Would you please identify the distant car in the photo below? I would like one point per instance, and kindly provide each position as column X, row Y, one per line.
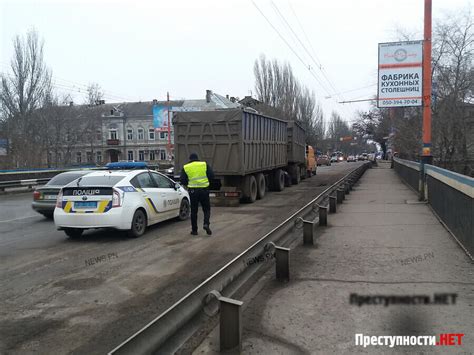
column 334, row 159
column 127, row 196
column 170, row 172
column 351, row 158
column 363, row 156
column 44, row 197
column 324, row 160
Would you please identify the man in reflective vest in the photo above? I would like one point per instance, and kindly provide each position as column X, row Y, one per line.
column 196, row 176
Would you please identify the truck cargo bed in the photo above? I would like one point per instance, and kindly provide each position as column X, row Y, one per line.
column 234, row 142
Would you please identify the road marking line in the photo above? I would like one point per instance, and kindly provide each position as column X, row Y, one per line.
column 16, row 219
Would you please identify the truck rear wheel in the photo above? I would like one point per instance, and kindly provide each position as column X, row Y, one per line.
column 303, row 172
column 261, row 186
column 278, row 180
column 294, row 171
column 249, row 189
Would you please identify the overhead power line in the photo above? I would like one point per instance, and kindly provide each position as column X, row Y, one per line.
column 317, row 63
column 290, row 47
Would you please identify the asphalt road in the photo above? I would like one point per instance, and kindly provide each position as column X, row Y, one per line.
column 64, row 296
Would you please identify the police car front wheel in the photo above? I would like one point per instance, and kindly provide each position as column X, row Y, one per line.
column 138, row 224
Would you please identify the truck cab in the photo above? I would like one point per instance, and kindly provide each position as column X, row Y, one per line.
column 311, row 163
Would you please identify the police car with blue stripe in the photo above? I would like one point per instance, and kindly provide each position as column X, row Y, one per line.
column 124, row 196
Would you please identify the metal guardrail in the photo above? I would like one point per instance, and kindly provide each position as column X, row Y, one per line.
column 20, row 183
column 154, row 336
column 450, row 195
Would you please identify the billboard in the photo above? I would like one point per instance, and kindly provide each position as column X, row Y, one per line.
column 400, row 78
column 160, row 118
column 3, row 146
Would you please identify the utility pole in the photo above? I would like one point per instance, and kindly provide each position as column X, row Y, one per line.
column 426, row 157
column 169, row 128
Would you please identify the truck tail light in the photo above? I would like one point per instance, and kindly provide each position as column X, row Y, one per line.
column 59, row 199
column 36, row 195
column 116, row 200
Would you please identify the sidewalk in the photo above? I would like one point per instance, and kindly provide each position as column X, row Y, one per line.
column 380, row 242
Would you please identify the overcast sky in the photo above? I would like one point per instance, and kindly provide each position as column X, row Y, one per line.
column 139, row 50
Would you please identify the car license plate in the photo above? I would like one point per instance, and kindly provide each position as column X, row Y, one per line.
column 85, row 204
column 50, row 197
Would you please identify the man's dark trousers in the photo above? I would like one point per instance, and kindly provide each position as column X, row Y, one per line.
column 197, row 196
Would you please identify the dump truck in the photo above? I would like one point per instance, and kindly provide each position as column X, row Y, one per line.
column 250, row 153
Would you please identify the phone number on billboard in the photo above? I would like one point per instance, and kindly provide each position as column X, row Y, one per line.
column 401, row 102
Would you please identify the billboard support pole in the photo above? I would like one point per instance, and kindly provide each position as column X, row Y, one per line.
column 169, row 128
column 426, row 157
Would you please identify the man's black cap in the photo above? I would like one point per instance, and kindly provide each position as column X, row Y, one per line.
column 193, row 156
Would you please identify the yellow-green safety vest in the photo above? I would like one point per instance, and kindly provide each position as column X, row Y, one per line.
column 197, row 177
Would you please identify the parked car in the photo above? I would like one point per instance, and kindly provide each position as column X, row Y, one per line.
column 351, row 158
column 324, row 160
column 44, row 197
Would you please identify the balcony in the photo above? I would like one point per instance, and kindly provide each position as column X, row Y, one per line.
column 113, row 141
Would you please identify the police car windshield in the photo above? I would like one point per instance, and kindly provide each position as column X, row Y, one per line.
column 107, row 180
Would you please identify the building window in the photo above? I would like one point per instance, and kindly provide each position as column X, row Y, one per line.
column 112, row 134
column 152, row 155
column 89, row 157
column 98, row 135
column 130, row 155
column 162, row 154
column 151, row 134
column 163, row 135
column 141, row 155
column 99, row 157
column 78, row 157
column 129, row 134
column 141, row 135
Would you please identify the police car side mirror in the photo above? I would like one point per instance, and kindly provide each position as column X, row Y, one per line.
column 177, row 185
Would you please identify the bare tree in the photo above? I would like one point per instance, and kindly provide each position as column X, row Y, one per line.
column 94, row 94
column 91, row 120
column 24, row 90
column 285, row 97
column 453, row 75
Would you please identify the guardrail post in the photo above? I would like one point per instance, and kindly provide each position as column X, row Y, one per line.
column 308, row 228
column 230, row 324
column 332, row 204
column 347, row 187
column 323, row 215
column 282, row 264
column 340, row 195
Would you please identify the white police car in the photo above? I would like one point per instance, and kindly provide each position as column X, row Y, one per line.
column 119, row 198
